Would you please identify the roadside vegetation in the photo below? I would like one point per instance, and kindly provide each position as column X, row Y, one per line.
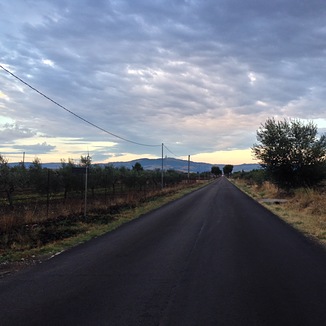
column 303, row 208
column 46, row 211
column 292, row 180
column 291, row 153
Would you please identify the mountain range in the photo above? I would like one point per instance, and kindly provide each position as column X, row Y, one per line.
column 168, row 164
column 181, row 165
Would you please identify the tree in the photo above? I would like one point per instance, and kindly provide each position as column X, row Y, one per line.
column 216, row 170
column 111, row 176
column 291, row 153
column 20, row 174
column 227, row 169
column 68, row 178
column 85, row 160
column 6, row 180
column 137, row 167
column 38, row 176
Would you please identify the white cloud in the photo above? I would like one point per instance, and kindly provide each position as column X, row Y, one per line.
column 199, row 75
column 48, row 62
column 252, row 78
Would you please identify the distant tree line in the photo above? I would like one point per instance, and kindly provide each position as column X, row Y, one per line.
column 70, row 177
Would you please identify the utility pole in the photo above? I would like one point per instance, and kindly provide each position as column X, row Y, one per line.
column 162, row 184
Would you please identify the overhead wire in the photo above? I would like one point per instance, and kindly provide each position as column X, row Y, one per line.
column 170, row 150
column 75, row 114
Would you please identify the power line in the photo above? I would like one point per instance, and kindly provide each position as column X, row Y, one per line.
column 74, row 114
column 170, row 151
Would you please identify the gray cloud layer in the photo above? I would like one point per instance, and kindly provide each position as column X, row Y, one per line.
column 199, row 76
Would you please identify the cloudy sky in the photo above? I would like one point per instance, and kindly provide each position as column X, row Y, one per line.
column 199, row 76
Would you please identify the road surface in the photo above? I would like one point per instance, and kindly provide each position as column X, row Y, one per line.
column 214, row 257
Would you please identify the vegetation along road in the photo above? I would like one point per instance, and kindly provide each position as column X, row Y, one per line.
column 213, row 257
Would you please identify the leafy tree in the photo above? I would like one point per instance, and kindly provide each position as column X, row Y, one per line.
column 69, row 179
column 111, row 176
column 85, row 160
column 156, row 176
column 227, row 169
column 291, row 153
column 6, row 179
column 205, row 175
column 96, row 178
column 20, row 175
column 123, row 174
column 38, row 176
column 257, row 176
column 172, row 177
column 135, row 179
column 216, row 170
column 137, row 167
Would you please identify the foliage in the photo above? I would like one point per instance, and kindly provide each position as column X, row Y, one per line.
column 85, row 160
column 137, row 167
column 227, row 169
column 305, row 208
column 6, row 179
column 69, row 179
column 38, row 176
column 291, row 153
column 216, row 170
column 257, row 176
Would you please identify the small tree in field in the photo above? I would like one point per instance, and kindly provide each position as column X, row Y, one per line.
column 6, row 179
column 137, row 167
column 85, row 160
column 291, row 153
column 37, row 176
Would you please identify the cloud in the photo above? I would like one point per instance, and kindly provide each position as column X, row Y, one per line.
column 37, row 149
column 11, row 132
column 199, row 76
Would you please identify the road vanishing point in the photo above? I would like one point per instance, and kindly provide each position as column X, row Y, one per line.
column 213, row 257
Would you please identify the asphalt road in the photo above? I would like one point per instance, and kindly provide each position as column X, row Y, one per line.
column 214, row 257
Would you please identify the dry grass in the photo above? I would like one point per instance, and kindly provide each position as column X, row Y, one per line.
column 267, row 190
column 305, row 209
column 33, row 234
column 38, row 211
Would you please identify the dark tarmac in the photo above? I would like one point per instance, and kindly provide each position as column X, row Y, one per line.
column 213, row 257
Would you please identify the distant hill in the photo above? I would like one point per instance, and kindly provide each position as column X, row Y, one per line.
column 181, row 165
column 168, row 164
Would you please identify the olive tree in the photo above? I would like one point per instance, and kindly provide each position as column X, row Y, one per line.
column 137, row 167
column 85, row 160
column 291, row 152
column 69, row 180
column 6, row 179
column 38, row 176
